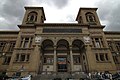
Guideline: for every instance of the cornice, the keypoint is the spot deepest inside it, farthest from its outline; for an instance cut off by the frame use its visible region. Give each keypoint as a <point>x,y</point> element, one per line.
<point>61,24</point>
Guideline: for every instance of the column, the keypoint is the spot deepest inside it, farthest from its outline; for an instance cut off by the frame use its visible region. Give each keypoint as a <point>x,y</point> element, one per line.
<point>71,58</point>
<point>101,45</point>
<point>55,59</point>
<point>28,46</point>
<point>22,44</point>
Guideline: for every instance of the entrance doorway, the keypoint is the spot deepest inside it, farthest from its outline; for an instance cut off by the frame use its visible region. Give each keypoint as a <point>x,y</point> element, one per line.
<point>62,64</point>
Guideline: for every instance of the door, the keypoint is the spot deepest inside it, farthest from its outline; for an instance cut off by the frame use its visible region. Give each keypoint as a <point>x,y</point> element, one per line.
<point>62,64</point>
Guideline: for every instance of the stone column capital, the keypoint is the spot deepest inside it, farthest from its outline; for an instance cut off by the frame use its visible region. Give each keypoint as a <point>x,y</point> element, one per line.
<point>55,46</point>
<point>70,46</point>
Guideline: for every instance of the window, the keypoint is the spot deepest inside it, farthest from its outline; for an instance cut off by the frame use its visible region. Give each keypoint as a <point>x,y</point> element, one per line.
<point>97,58</point>
<point>22,57</point>
<point>115,59</point>
<point>7,60</point>
<point>11,47</point>
<point>48,60</point>
<point>28,56</point>
<point>106,56</point>
<point>76,59</point>
<point>32,17</point>
<point>17,57</point>
<point>26,42</point>
<point>2,46</point>
<point>97,42</point>
<point>117,43</point>
<point>102,57</point>
<point>110,45</point>
<point>90,18</point>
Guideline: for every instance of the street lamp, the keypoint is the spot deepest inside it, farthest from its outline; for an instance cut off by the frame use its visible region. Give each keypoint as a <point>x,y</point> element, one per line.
<point>2,55</point>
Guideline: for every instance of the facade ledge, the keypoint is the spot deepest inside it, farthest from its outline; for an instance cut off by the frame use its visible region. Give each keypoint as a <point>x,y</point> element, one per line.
<point>23,48</point>
<point>103,61</point>
<point>99,48</point>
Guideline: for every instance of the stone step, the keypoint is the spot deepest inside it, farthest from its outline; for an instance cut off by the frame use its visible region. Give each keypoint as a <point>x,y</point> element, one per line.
<point>59,76</point>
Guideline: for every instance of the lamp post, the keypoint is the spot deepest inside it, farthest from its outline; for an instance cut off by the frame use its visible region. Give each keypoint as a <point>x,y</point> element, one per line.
<point>2,55</point>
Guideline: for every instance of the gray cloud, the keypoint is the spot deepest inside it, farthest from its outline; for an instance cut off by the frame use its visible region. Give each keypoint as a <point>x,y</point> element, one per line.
<point>70,18</point>
<point>57,3</point>
<point>109,11</point>
<point>11,13</point>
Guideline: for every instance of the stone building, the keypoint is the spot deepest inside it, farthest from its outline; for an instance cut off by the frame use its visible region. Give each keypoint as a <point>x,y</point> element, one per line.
<point>40,47</point>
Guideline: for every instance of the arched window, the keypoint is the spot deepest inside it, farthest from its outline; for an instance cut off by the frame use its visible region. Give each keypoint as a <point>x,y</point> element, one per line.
<point>90,17</point>
<point>32,16</point>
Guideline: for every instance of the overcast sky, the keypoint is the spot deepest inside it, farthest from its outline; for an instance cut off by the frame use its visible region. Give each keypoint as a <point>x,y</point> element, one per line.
<point>59,11</point>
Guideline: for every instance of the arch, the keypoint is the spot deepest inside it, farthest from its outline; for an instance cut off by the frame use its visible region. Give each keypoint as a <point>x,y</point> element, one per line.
<point>90,17</point>
<point>62,45</point>
<point>77,46</point>
<point>47,46</point>
<point>32,16</point>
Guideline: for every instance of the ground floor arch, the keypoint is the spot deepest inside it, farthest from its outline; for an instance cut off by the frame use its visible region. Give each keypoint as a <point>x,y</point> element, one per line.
<point>63,56</point>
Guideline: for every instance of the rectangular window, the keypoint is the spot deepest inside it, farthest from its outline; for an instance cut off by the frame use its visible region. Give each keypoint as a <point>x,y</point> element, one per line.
<point>102,57</point>
<point>17,57</point>
<point>106,56</point>
<point>2,46</point>
<point>61,30</point>
<point>117,45</point>
<point>102,43</point>
<point>28,56</point>
<point>110,45</point>
<point>22,58</point>
<point>48,60</point>
<point>11,47</point>
<point>7,60</point>
<point>115,59</point>
<point>76,59</point>
<point>30,45</point>
<point>97,43</point>
<point>97,58</point>
<point>26,42</point>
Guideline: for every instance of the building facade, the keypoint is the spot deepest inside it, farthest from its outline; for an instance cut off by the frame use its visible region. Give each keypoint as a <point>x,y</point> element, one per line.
<point>40,47</point>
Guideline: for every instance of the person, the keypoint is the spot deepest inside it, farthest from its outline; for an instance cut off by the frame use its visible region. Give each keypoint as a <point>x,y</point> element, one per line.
<point>89,74</point>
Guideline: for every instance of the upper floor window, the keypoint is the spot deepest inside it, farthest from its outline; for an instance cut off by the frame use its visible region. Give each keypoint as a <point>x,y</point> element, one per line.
<point>98,42</point>
<point>7,60</point>
<point>32,17</point>
<point>90,17</point>
<point>2,46</point>
<point>117,44</point>
<point>26,42</point>
<point>11,47</point>
<point>110,45</point>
